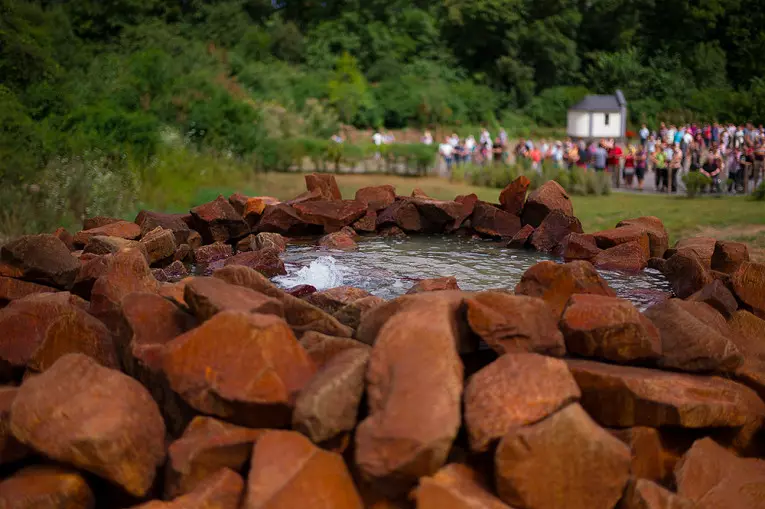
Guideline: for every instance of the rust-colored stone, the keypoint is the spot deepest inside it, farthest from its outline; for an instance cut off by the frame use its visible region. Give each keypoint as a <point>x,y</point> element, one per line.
<point>687,274</point>
<point>728,256</point>
<point>350,314</point>
<point>46,487</point>
<point>441,215</point>
<point>100,245</point>
<point>515,390</point>
<point>282,218</point>
<point>207,296</point>
<point>553,229</point>
<point>701,247</point>
<point>645,494</point>
<point>322,348</point>
<point>92,417</point>
<point>629,233</point>
<point>13,289</point>
<point>98,221</point>
<point>222,490</point>
<point>148,221</point>
<point>334,299</point>
<point>10,448</point>
<point>628,257</point>
<point>367,223</point>
<point>254,208</point>
<point>749,286</point>
<point>654,453</point>
<point>492,221</point>
<point>270,240</point>
<point>325,184</point>
<point>578,246</point>
<point>548,197</point>
<point>266,261</point>
<point>331,214</point>
<point>217,221</point>
<point>435,285</point>
<point>456,486</point>
<point>42,259</point>
<point>122,229</point>
<point>513,197</point>
<point>340,241</point>
<point>717,295</point>
<point>64,236</point>
<point>521,239</point>
<point>205,255</point>
<point>377,197</point>
<point>160,244</point>
<point>126,272</point>
<point>747,333</point>
<point>657,234</point>
<point>404,214</point>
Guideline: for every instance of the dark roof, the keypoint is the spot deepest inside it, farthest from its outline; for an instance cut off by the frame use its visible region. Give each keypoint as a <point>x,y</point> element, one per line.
<point>601,102</point>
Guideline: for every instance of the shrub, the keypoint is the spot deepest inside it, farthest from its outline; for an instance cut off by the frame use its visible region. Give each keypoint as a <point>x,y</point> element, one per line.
<point>759,193</point>
<point>695,182</point>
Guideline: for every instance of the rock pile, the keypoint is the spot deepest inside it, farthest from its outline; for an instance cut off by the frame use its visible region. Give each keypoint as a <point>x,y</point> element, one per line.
<point>127,383</point>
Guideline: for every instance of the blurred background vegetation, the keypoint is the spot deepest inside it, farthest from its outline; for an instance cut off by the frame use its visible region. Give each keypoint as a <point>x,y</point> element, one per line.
<point>108,105</point>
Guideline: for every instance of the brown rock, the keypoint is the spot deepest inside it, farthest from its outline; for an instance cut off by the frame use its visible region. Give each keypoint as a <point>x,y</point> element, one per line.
<point>217,221</point>
<point>176,271</point>
<point>301,315</point>
<point>652,457</point>
<point>222,490</point>
<point>266,261</point>
<point>749,286</point>
<point>435,285</point>
<point>609,328</point>
<point>513,197</point>
<point>687,274</point>
<point>468,205</point>
<point>690,341</point>
<point>515,390</point>
<point>728,255</point>
<point>629,257</point>
<point>254,208</point>
<point>265,240</point>
<point>301,290</point>
<point>207,296</point>
<point>160,244</point>
<point>350,314</point>
<point>340,241</point>
<point>99,245</point>
<point>515,323</point>
<point>715,478</point>
<point>183,253</point>
<point>550,196</point>
<point>42,259</point>
<point>288,472</point>
<point>717,295</point>
<point>616,236</point>
<point>368,222</point>
<point>325,183</point>
<point>521,239</point>
<point>659,264</point>
<point>578,246</point>
<point>441,215</point>
<point>391,231</point>
<point>586,465</point>
<point>148,221</point>
<point>92,417</point>
<point>90,271</point>
<point>246,244</point>
<point>556,283</point>
<point>195,240</point>
<point>645,494</point>
<point>404,214</point>
<point>492,221</point>
<point>419,193</point>
<point>322,348</point>
<point>328,405</point>
<point>284,219</point>
<point>126,272</point>
<point>334,299</point>
<point>64,236</point>
<point>210,253</point>
<point>239,202</point>
<point>377,197</point>
<point>98,221</point>
<point>414,388</point>
<point>747,333</point>
<point>621,396</point>
<point>207,446</point>
<point>553,229</point>
<point>13,289</point>
<point>456,486</point>
<point>657,234</point>
<point>702,247</point>
<point>122,229</point>
<point>331,214</point>
<point>46,487</point>
<point>10,448</point>
<point>245,368</point>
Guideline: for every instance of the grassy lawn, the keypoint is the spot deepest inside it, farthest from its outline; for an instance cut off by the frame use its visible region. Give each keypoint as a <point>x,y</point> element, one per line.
<point>733,218</point>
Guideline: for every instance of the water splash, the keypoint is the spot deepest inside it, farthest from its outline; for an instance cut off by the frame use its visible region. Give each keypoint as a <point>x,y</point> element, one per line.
<point>322,273</point>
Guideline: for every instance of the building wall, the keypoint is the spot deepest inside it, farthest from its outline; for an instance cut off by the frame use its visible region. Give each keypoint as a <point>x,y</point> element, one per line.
<point>578,124</point>
<point>602,130</point>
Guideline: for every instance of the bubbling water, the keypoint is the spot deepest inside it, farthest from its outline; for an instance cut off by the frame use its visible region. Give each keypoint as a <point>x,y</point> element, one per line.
<point>322,273</point>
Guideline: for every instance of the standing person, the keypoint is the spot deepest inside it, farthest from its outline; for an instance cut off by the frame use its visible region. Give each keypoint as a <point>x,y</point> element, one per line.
<point>536,159</point>
<point>615,155</point>
<point>641,163</point>
<point>427,138</point>
<point>469,148</point>
<point>600,157</point>
<point>675,165</point>
<point>377,139</point>
<point>711,169</point>
<point>644,135</point>
<point>629,166</point>
<point>659,160</point>
<point>446,149</point>
<point>759,161</point>
<point>733,164</point>
<point>503,137</point>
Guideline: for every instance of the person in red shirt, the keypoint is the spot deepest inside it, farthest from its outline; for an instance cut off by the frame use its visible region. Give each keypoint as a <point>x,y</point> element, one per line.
<point>615,154</point>
<point>629,166</point>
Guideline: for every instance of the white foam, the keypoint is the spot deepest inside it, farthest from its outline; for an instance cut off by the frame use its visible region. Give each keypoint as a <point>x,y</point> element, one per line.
<point>323,273</point>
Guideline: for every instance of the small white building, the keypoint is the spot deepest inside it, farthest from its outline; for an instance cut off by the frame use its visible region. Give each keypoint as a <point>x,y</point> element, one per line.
<point>599,116</point>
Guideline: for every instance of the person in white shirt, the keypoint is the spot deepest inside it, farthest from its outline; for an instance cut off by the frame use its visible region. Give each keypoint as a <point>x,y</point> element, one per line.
<point>446,150</point>
<point>644,132</point>
<point>485,137</point>
<point>427,138</point>
<point>377,139</point>
<point>469,148</point>
<point>670,137</point>
<point>454,140</point>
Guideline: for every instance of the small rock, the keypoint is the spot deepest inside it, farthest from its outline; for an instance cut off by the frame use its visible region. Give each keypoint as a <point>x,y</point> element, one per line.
<point>548,197</point>
<point>456,486</point>
<point>126,272</point>
<point>728,256</point>
<point>284,219</point>
<point>629,257</point>
<point>747,332</point>
<point>553,229</point>
<point>367,223</point>
<point>11,450</point>
<point>657,234</point>
<point>159,243</point>
<point>340,241</point>
<point>749,286</point>
<point>301,290</point>
<point>99,245</point>
<point>377,197</point>
<point>322,348</point>
<point>98,221</point>
<point>254,208</point>
<point>42,259</point>
<point>350,314</point>
<point>717,295</point>
<point>513,197</point>
<point>46,487</point>
<point>521,239</point>
<point>687,274</point>
<point>64,236</point>
<point>207,296</point>
<point>122,229</point>
<point>265,240</point>
<point>325,184</point>
<point>702,247</point>
<point>435,285</point>
<point>148,221</point>
<point>206,255</point>
<point>13,289</point>
<point>266,261</point>
<point>334,299</point>
<point>492,221</point>
<point>217,221</point>
<point>222,490</point>
<point>331,214</point>
<point>654,455</point>
<point>607,239</point>
<point>644,494</point>
<point>578,246</point>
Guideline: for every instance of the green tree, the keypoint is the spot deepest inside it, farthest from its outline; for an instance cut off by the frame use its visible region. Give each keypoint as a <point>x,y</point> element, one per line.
<point>348,88</point>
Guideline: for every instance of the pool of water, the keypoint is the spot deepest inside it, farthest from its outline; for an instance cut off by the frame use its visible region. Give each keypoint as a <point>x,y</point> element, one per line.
<point>388,267</point>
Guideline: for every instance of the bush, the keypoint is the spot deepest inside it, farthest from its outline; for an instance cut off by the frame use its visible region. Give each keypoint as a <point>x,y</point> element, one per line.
<point>695,182</point>
<point>759,193</point>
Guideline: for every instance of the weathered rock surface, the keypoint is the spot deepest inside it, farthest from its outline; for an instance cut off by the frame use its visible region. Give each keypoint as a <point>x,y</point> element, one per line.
<point>98,419</point>
<point>333,299</point>
<point>322,348</point>
<point>207,296</point>
<point>552,230</point>
<point>122,229</point>
<point>284,219</point>
<point>325,184</point>
<point>377,197</point>
<point>515,323</point>
<point>513,197</point>
<point>46,487</point>
<point>210,253</point>
<point>13,289</point>
<point>728,256</point>
<point>628,257</point>
<point>749,286</point>
<point>586,465</point>
<point>148,221</point>
<point>42,259</point>
<point>548,197</point>
<point>492,221</point>
<point>350,314</point>
<point>747,333</point>
<point>367,223</point>
<point>341,241</point>
<point>331,214</point>
<point>515,390</point>
<point>242,367</point>
<point>101,245</point>
<point>645,494</point>
<point>126,272</point>
<point>627,233</point>
<point>222,490</point>
<point>521,239</point>
<point>579,246</point>
<point>687,274</point>
<point>456,486</point>
<point>654,455</point>
<point>266,261</point>
<point>287,472</point>
<point>608,328</point>
<point>217,221</point>
<point>265,240</point>
<point>434,285</point>
<point>159,243</point>
<point>702,247</point>
<point>717,295</point>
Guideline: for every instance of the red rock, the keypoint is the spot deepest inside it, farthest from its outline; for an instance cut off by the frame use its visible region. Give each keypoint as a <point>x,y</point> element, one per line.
<point>159,243</point>
<point>441,215</point>
<point>608,328</point>
<point>328,405</point>
<point>99,245</point>
<point>550,196</point>
<point>90,271</point>
<point>148,221</point>
<point>515,390</point>
<point>246,244</point>
<point>222,490</point>
<point>622,396</point>
<point>556,283</point>
<point>391,231</point>
<point>553,229</point>
<point>587,467</point>
<point>456,486</point>
<point>419,193</point>
<point>690,340</point>
<point>325,184</point>
<point>331,214</point>
<point>78,405</point>
<point>414,385</point>
<point>521,239</point>
<point>728,256</point>
<point>368,223</point>
<point>122,229</point>
<point>211,253</point>
<point>98,221</point>
<point>217,221</point>
<point>301,315</point>
<point>301,290</point>
<point>702,247</point>
<point>377,197</point>
<point>42,259</point>
<point>468,206</point>
<point>287,472</point>
<point>644,494</point>
<point>578,246</point>
<point>404,214</point>
<point>126,272</point>
<point>434,285</point>
<point>654,456</point>
<point>242,367</point>
<point>350,314</point>
<point>64,236</point>
<point>176,271</point>
<point>10,448</point>
<point>239,202</point>
<point>207,296</point>
<point>717,295</point>
<point>715,478</point>
<point>284,219</point>
<point>195,240</point>
<point>255,207</point>
<point>207,445</point>
<point>13,289</point>
<point>629,257</point>
<point>747,333</point>
<point>494,222</point>
<point>270,240</point>
<point>513,197</point>
<point>334,299</point>
<point>266,261</point>
<point>657,234</point>
<point>339,241</point>
<point>749,286</point>
<point>322,348</point>
<point>630,233</point>
<point>312,195</point>
<point>687,274</point>
<point>46,487</point>
<point>513,323</point>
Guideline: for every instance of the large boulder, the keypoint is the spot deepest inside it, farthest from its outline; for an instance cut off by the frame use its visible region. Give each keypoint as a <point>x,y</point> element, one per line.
<point>566,460</point>
<point>122,229</point>
<point>608,328</point>
<point>95,418</point>
<point>749,286</point>
<point>628,257</point>
<point>694,337</point>
<point>657,234</point>
<point>515,323</point>
<point>377,197</point>
<point>645,494</point>
<point>553,229</point>
<point>325,184</point>
<point>513,196</point>
<point>414,386</point>
<point>556,283</point>
<point>548,197</point>
<point>434,285</point>
<point>701,247</point>
<point>492,221</point>
<point>629,233</point>
<point>222,490</point>
<point>331,214</point>
<point>42,259</point>
<point>747,333</point>
<point>207,296</point>
<point>266,261</point>
<point>687,274</point>
<point>287,472</point>
<point>46,487</point>
<point>206,446</point>
<point>217,221</point>
<point>728,255</point>
<point>282,218</point>
<point>456,486</point>
<point>245,368</point>
<point>515,390</point>
<point>148,221</point>
<point>404,214</point>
